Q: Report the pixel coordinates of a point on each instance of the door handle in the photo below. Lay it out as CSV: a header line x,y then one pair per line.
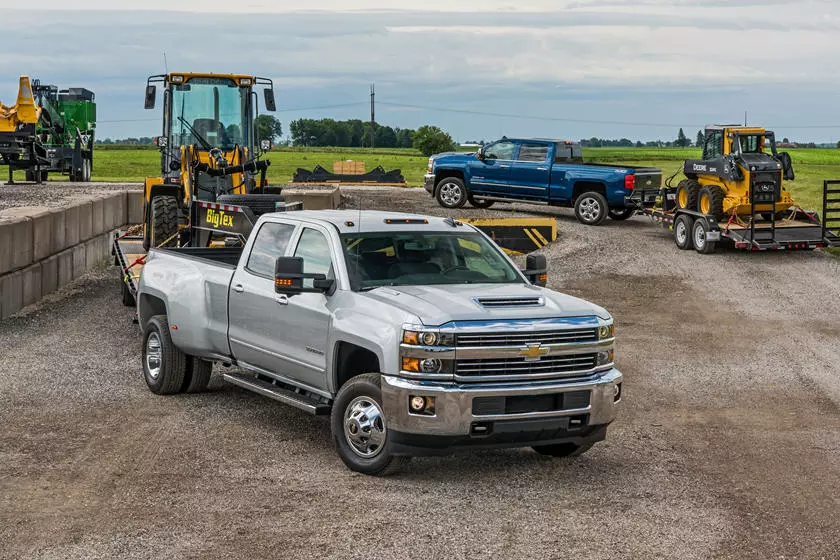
x,y
503,166
542,168
239,288
281,299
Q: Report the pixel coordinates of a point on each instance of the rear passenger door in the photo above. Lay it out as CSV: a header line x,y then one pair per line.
x,y
531,171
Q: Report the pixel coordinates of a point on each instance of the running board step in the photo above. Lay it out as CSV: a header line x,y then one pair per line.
x,y
272,391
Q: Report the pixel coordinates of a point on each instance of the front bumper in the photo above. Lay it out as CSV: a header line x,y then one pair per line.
x,y
429,183
459,422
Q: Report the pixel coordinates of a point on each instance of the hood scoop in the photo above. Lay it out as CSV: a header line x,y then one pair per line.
x,y
509,302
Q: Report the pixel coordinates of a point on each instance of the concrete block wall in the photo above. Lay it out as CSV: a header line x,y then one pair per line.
x,y
42,249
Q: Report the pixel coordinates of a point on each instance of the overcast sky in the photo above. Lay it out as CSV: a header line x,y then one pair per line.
x,y
615,68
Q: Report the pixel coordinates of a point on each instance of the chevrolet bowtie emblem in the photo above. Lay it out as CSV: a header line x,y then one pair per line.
x,y
533,352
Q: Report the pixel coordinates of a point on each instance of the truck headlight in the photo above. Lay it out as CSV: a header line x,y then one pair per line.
x,y
606,331
426,365
428,338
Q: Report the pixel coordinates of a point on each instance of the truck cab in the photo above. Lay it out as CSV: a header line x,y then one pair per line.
x,y
417,335
537,171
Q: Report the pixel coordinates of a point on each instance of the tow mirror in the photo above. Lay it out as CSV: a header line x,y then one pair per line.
x,y
270,104
480,153
536,269
289,278
151,92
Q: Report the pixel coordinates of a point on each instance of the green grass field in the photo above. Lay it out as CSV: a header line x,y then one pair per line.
x,y
123,164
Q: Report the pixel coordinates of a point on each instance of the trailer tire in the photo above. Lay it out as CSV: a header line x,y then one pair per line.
x,y
127,297
164,365
563,449
591,208
363,392
621,214
711,201
699,237
197,376
688,193
259,204
683,231
164,221
479,202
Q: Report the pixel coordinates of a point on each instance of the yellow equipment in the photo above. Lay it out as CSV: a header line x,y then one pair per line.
x,y
209,152
23,112
741,174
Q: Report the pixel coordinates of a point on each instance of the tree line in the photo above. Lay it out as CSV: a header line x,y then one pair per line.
x,y
353,133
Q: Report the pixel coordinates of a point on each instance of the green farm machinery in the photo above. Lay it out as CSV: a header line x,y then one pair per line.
x,y
48,131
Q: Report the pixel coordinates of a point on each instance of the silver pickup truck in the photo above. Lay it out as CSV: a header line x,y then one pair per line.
x,y
417,334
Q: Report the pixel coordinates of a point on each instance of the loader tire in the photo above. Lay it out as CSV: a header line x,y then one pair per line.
x,y
688,193
711,201
164,221
259,204
164,365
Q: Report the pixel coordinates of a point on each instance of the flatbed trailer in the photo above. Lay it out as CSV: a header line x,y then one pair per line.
x,y
794,230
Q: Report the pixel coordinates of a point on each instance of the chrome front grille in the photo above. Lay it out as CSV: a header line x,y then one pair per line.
x,y
522,338
490,369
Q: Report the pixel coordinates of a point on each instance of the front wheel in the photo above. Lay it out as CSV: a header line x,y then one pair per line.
x,y
360,428
591,208
451,193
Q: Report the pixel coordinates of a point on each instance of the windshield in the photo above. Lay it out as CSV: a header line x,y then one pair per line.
x,y
209,113
411,258
756,143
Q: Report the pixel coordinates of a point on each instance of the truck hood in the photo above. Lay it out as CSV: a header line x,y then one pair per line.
x,y
452,158
437,305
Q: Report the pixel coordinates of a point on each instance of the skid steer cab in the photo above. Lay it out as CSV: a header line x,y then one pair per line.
x,y
740,165
209,152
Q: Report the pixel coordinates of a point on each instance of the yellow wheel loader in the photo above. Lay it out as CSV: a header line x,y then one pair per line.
x,y
740,167
209,153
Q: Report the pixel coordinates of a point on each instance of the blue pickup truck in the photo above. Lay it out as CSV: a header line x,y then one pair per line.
x,y
537,171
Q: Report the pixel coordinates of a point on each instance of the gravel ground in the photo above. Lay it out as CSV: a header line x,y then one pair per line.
x,y
728,445
55,194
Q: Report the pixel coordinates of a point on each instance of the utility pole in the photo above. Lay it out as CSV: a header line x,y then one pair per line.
x,y
372,118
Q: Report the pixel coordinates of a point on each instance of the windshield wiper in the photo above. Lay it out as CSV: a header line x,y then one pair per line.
x,y
201,140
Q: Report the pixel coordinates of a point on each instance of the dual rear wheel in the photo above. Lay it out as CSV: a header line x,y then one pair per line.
x,y
693,234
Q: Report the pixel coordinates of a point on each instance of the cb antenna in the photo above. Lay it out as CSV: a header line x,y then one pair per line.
x,y
165,65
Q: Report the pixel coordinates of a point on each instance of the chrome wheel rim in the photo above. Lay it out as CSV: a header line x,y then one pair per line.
x,y
699,237
450,194
154,355
681,233
590,209
364,427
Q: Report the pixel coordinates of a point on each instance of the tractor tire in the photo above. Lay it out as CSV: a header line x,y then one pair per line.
x,y
164,221
699,237
591,208
164,365
259,204
198,374
479,202
711,201
451,193
621,214
683,226
688,194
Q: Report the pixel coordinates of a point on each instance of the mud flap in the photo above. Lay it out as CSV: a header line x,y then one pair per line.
x,y
518,236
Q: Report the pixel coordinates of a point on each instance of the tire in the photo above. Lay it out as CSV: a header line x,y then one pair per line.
x,y
563,449
167,377
259,204
127,297
591,208
270,190
699,232
363,391
451,192
683,228
479,202
197,376
710,201
164,221
621,214
688,193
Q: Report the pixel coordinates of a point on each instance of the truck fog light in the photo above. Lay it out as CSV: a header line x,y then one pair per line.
x,y
430,365
606,357
617,392
417,404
